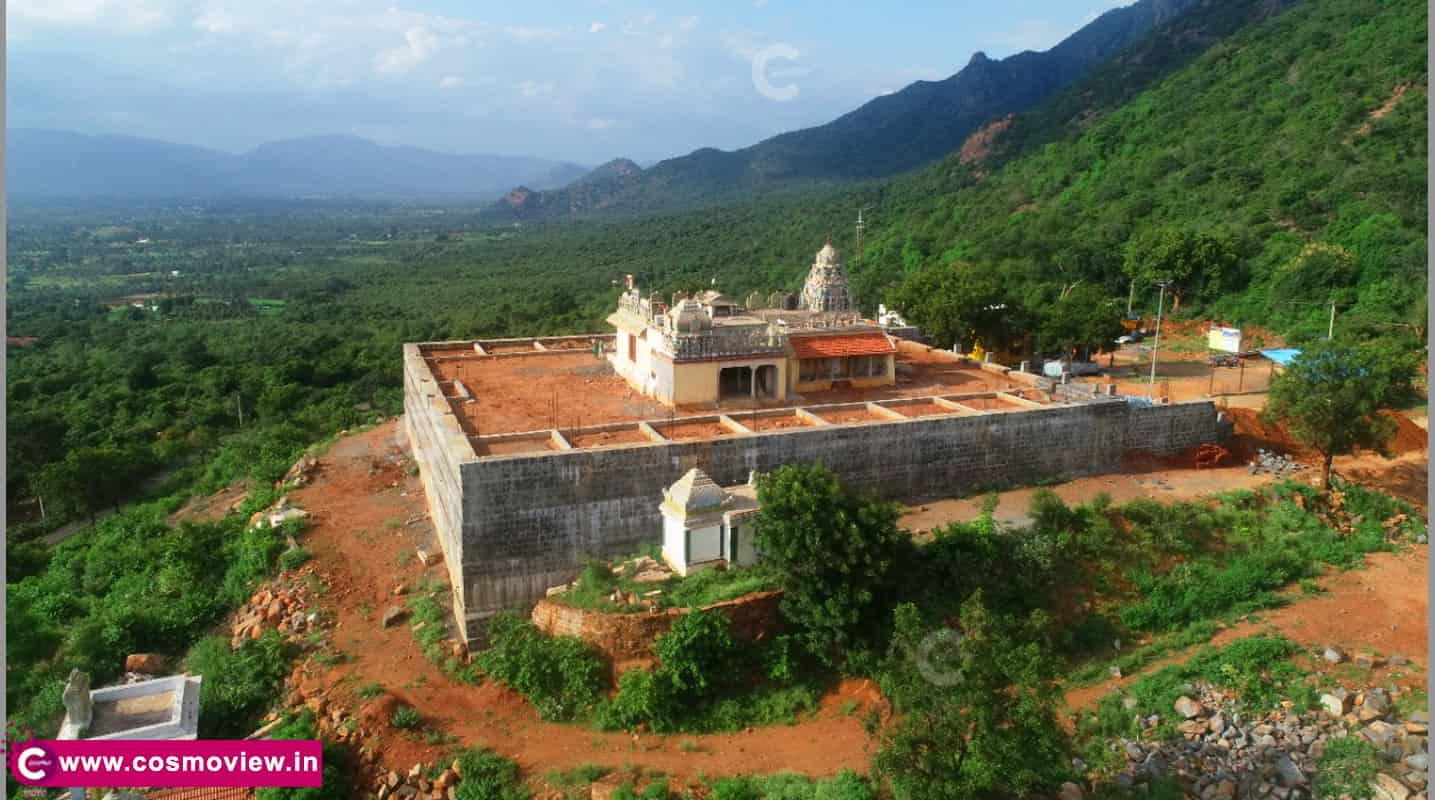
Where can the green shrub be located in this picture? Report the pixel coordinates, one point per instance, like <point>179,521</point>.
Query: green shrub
<point>846,785</point>
<point>405,718</point>
<point>338,765</point>
<point>1257,668</point>
<point>697,655</point>
<point>560,675</point>
<point>294,558</point>
<point>238,684</point>
<point>1346,768</point>
<point>488,776</point>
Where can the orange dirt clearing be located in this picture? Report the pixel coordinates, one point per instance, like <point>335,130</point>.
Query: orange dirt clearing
<point>1380,608</point>
<point>360,506</point>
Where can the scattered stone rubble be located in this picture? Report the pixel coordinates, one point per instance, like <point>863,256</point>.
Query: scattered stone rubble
<point>1222,754</point>
<point>415,785</point>
<point>1277,464</point>
<point>276,515</point>
<point>280,604</point>
<point>643,569</point>
<point>300,474</point>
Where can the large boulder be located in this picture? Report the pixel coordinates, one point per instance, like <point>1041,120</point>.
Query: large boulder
<point>146,663</point>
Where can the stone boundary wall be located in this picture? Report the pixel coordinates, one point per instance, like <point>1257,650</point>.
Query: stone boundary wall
<point>530,520</point>
<point>623,639</point>
<point>440,447</point>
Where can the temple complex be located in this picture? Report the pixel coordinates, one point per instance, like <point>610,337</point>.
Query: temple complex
<point>709,348</point>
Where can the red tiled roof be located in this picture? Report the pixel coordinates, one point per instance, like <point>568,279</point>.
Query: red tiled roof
<point>837,345</point>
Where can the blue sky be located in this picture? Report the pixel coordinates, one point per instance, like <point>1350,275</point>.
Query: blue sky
<point>582,80</point>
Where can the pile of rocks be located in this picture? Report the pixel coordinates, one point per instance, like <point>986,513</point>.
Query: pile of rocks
<point>300,474</point>
<point>280,604</point>
<point>276,515</point>
<point>415,785</point>
<point>1222,754</point>
<point>1277,464</point>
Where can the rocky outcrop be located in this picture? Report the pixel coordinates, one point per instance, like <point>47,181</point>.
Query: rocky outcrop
<point>1224,754</point>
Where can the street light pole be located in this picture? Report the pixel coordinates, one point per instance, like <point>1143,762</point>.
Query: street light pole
<point>1156,345</point>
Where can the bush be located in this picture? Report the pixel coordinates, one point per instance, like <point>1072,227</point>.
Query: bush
<point>698,655</point>
<point>338,765</point>
<point>560,675</point>
<point>238,684</point>
<point>488,776</point>
<point>1346,768</point>
<point>405,718</point>
<point>294,558</point>
<point>1257,668</point>
<point>846,785</point>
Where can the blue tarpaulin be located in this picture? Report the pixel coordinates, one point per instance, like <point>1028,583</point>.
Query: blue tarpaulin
<point>1282,356</point>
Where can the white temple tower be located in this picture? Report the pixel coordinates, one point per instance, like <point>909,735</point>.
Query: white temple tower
<point>826,287</point>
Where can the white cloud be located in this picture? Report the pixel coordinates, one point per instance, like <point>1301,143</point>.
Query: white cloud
<point>124,16</point>
<point>665,41</point>
<point>531,33</point>
<point>597,27</point>
<point>535,88</point>
<point>1031,34</point>
<point>599,124</point>
<point>687,24</point>
<point>419,45</point>
<point>451,82</point>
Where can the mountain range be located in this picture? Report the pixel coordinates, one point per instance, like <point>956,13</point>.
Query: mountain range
<point>895,133</point>
<point>890,134</point>
<point>61,163</point>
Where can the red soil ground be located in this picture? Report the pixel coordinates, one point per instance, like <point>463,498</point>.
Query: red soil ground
<point>359,501</point>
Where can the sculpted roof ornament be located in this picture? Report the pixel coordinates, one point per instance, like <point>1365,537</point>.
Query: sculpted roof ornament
<point>826,287</point>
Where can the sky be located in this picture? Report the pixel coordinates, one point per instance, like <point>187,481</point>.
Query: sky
<point>574,80</point>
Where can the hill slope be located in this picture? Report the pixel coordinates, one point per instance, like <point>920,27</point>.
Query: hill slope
<point>61,163</point>
<point>888,135</point>
<point>1300,142</point>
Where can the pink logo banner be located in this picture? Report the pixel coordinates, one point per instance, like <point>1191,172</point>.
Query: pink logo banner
<point>207,762</point>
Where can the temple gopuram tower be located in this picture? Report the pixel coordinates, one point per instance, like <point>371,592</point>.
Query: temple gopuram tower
<point>826,287</point>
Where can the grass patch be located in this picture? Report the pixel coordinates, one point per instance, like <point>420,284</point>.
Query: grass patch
<point>488,776</point>
<point>405,718</point>
<point>294,558</point>
<point>573,782</point>
<point>428,620</point>
<point>560,675</point>
<point>1257,668</point>
<point>370,690</point>
<point>847,785</point>
<point>1346,769</point>
<point>597,583</point>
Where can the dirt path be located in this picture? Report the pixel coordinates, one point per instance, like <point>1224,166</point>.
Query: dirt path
<point>1381,608</point>
<point>361,503</point>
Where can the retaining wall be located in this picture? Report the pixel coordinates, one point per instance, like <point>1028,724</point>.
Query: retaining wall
<point>530,520</point>
<point>626,640</point>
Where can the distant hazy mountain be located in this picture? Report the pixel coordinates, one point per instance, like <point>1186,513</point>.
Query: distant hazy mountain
<point>891,134</point>
<point>61,163</point>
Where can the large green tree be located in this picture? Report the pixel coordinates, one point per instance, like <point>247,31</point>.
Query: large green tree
<point>956,304</point>
<point>1195,261</point>
<point>1330,397</point>
<point>1083,318</point>
<point>834,552</point>
<point>976,707</point>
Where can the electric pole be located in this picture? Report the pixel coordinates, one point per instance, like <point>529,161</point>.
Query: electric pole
<point>1330,332</point>
<point>1156,345</point>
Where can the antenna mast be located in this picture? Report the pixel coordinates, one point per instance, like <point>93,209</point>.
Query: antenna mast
<point>857,256</point>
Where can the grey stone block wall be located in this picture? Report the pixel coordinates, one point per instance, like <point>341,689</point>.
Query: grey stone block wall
<point>440,447</point>
<point>529,521</point>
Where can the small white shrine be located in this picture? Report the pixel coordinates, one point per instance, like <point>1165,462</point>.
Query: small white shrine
<point>705,525</point>
<point>159,709</point>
